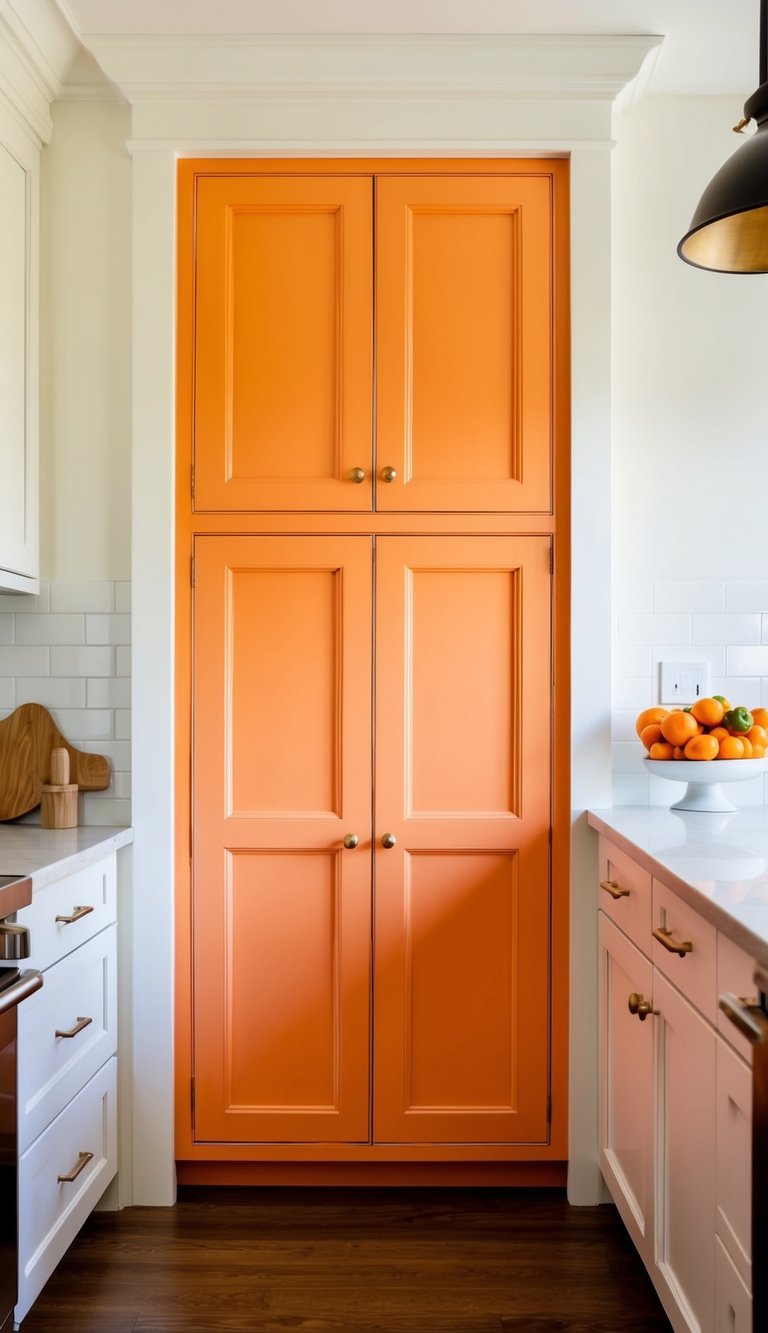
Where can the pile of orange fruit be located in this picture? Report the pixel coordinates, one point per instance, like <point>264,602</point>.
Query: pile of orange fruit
<point>709,729</point>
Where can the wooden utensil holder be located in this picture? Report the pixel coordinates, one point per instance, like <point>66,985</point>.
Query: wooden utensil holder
<point>58,800</point>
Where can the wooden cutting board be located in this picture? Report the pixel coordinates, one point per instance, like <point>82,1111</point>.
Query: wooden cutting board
<point>27,738</point>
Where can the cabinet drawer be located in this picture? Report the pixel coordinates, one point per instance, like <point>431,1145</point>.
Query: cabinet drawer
<point>735,973</point>
<point>52,1069</point>
<point>733,1303</point>
<point>734,1158</point>
<point>51,1212</point>
<point>93,887</point>
<point>626,899</point>
<point>695,971</point>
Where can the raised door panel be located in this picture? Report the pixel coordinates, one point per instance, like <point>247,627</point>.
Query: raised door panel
<point>464,295</point>
<point>283,343</point>
<point>734,1158</point>
<point>686,1160</point>
<point>282,761</point>
<point>461,1014</point>
<point>626,1084</point>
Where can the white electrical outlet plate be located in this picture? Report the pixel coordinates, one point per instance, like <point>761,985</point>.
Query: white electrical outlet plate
<point>683,682</point>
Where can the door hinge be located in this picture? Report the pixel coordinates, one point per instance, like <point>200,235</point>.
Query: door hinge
<point>192,480</point>
<point>192,571</point>
<point>192,1095</point>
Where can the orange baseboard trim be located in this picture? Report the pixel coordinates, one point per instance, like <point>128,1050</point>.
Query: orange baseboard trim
<point>547,1175</point>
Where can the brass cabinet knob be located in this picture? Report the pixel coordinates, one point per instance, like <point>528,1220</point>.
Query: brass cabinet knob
<point>350,840</point>
<point>388,840</point>
<point>389,474</point>
<point>357,475</point>
<point>637,1005</point>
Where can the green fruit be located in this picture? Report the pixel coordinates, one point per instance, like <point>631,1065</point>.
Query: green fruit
<point>721,699</point>
<point>738,720</point>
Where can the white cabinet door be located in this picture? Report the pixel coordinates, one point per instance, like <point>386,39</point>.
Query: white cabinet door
<point>686,1173</point>
<point>19,169</point>
<point>626,1084</point>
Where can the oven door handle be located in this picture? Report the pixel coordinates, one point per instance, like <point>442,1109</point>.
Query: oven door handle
<point>750,1019</point>
<point>26,985</point>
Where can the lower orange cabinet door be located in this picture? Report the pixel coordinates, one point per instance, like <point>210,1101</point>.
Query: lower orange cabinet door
<point>281,774</point>
<point>461,987</point>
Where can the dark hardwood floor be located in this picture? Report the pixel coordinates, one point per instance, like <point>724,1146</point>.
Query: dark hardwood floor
<point>352,1261</point>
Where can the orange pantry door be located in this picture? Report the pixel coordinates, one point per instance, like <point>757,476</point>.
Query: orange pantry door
<point>464,293</point>
<point>461,946</point>
<point>283,342</point>
<point>281,772</point>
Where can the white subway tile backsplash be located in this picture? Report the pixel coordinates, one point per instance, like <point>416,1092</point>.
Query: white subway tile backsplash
<point>82,596</point>
<point>108,629</point>
<point>737,689</point>
<point>24,601</point>
<point>635,692</point>
<point>632,660</point>
<point>104,692</point>
<point>63,650</point>
<point>628,756</point>
<point>653,627</point>
<point>83,724</point>
<point>633,595</point>
<point>630,788</point>
<point>726,629</point>
<point>48,628</point>
<point>51,691</point>
<point>90,661</point>
<point>675,652</point>
<point>104,812</point>
<point>117,752</point>
<point>623,725</point>
<point>24,661</point>
<point>747,661</point>
<point>692,595</point>
<point>746,595</point>
<point>724,624</point>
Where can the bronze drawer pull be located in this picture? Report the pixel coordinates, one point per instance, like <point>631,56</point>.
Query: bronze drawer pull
<point>665,937</point>
<point>615,890</point>
<point>82,1162</point>
<point>79,1025</point>
<point>77,912</point>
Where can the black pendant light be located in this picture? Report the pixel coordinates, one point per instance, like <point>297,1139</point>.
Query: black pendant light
<point>729,230</point>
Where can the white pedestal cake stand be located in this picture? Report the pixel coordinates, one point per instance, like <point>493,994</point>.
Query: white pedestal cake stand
<point>706,779</point>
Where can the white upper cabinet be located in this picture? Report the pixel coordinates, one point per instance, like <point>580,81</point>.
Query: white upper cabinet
<point>19,192</point>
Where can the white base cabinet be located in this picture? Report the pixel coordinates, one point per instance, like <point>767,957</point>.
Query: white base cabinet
<point>67,1069</point>
<point>675,1097</point>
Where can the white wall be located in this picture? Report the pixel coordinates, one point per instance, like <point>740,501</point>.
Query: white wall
<point>690,433</point>
<point>85,463</point>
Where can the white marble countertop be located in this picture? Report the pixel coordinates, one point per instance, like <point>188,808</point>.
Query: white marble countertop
<point>716,862</point>
<point>49,854</point>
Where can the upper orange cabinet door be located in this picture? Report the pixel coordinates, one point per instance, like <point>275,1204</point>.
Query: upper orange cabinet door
<point>283,343</point>
<point>464,291</point>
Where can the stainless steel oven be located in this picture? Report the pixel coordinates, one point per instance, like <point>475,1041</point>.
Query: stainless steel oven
<point>752,1020</point>
<point>15,986</point>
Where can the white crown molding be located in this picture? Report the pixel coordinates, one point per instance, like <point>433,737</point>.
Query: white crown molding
<point>37,49</point>
<point>354,67</point>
